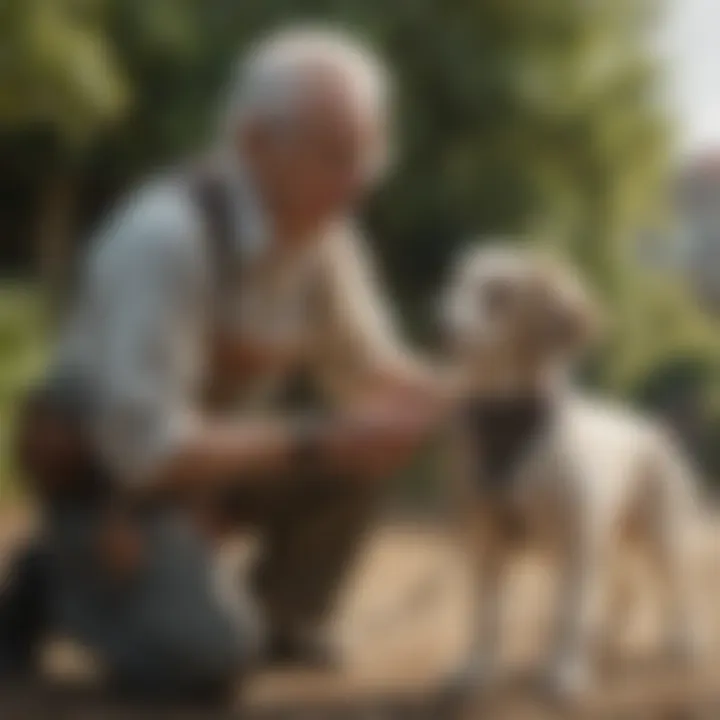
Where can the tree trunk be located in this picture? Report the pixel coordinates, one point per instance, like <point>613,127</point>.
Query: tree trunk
<point>53,242</point>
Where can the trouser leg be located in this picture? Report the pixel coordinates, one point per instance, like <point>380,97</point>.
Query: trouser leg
<point>310,541</point>
<point>162,631</point>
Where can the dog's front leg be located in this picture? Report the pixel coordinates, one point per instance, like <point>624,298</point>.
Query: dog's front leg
<point>485,650</point>
<point>578,609</point>
<point>487,559</point>
<point>481,546</point>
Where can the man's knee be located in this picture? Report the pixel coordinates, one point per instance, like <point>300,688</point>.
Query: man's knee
<point>173,661</point>
<point>210,659</point>
<point>349,493</point>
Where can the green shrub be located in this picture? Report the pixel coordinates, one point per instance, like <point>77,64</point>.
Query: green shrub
<point>22,353</point>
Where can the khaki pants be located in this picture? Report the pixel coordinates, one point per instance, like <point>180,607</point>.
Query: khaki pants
<point>310,536</point>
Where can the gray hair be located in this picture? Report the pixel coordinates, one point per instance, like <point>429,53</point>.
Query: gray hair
<point>271,79</point>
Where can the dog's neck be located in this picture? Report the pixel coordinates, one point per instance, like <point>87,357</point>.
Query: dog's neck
<point>505,415</point>
<point>507,380</point>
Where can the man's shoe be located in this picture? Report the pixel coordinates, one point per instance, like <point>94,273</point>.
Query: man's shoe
<point>23,613</point>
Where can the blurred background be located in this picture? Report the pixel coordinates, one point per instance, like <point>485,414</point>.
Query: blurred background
<point>592,127</point>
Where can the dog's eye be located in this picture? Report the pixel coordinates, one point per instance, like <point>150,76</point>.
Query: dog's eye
<point>495,296</point>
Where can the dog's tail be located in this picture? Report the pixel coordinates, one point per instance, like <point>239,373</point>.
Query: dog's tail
<point>682,521</point>
<point>675,515</point>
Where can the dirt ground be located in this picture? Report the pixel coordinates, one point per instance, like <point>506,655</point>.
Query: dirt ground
<point>402,624</point>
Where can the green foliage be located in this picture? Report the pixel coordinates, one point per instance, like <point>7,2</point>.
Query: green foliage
<point>22,355</point>
<point>516,116</point>
<point>57,69</point>
<point>520,117</point>
<point>665,326</point>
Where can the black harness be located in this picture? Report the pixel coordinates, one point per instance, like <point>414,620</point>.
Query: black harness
<point>501,430</point>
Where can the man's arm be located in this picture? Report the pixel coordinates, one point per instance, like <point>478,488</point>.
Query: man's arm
<point>154,288</point>
<point>151,276</point>
<point>362,362</point>
<point>363,354</point>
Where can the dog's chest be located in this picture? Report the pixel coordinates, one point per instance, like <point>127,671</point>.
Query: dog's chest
<point>501,434</point>
<point>501,437</point>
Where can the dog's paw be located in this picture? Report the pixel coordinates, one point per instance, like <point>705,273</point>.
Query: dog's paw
<point>568,680</point>
<point>475,675</point>
<point>462,687</point>
<point>688,649</point>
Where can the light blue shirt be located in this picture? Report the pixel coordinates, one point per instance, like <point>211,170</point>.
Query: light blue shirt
<point>141,324</point>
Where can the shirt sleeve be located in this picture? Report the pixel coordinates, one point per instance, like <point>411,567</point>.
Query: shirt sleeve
<point>358,337</point>
<point>149,285</point>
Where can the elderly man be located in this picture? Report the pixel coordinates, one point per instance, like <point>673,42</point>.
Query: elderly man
<point>205,289</point>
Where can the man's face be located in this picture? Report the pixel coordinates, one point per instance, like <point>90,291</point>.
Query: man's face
<point>316,168</point>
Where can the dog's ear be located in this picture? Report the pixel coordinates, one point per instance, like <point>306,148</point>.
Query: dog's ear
<point>572,320</point>
<point>449,306</point>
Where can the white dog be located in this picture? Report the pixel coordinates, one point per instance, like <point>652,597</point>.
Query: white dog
<point>540,459</point>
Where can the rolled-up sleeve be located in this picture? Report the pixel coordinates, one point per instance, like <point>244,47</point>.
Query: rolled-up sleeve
<point>149,293</point>
<point>358,337</point>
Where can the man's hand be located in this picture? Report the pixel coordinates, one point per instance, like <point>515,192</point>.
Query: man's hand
<point>371,441</point>
<point>374,442</point>
<point>386,422</point>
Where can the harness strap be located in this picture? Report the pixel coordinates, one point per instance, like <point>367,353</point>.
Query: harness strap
<point>502,430</point>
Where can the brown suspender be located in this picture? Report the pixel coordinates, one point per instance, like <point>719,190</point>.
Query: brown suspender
<point>212,196</point>
<point>53,443</point>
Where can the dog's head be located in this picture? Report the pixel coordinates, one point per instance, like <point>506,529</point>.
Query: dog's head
<point>511,308</point>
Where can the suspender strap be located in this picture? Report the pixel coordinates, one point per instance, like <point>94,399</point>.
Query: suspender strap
<point>212,195</point>
<point>53,441</point>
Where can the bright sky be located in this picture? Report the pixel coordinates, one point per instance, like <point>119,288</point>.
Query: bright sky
<point>690,41</point>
